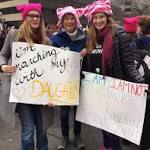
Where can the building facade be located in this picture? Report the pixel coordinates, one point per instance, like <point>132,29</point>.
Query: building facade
<point>9,14</point>
<point>131,7</point>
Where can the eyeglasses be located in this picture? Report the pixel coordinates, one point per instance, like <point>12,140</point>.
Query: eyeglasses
<point>32,16</point>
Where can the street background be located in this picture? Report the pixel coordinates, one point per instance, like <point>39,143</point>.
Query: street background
<point>10,137</point>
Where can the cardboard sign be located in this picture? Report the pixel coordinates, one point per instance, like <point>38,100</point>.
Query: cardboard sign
<point>44,74</point>
<point>114,105</point>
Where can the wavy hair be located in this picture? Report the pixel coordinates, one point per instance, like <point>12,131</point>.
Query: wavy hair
<point>91,34</point>
<point>25,32</point>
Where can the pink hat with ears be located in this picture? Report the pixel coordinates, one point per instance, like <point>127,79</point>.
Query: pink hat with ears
<point>25,8</point>
<point>130,24</point>
<point>78,12</point>
<point>103,6</point>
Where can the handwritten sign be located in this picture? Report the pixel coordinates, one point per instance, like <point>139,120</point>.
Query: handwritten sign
<point>45,74</point>
<point>114,105</point>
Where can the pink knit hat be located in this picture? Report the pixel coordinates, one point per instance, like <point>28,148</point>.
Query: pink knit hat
<point>25,8</point>
<point>78,12</point>
<point>130,24</point>
<point>103,6</point>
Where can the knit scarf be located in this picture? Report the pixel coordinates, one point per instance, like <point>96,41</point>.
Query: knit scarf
<point>73,35</point>
<point>106,36</point>
<point>36,38</point>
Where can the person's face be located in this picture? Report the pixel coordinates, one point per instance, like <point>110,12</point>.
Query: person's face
<point>69,23</point>
<point>99,21</point>
<point>139,30</point>
<point>34,19</point>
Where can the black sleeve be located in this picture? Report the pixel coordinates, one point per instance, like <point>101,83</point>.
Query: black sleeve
<point>127,59</point>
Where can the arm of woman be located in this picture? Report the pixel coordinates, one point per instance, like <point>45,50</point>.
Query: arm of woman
<point>127,59</point>
<point>5,54</point>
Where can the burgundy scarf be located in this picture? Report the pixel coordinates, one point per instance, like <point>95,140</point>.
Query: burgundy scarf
<point>36,39</point>
<point>106,36</point>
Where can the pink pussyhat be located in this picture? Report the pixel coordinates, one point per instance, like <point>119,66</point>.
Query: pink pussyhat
<point>100,6</point>
<point>78,12</point>
<point>26,8</point>
<point>130,24</point>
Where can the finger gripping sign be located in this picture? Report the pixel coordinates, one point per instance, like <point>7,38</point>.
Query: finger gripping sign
<point>44,74</point>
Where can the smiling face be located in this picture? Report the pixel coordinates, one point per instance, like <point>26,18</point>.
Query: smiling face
<point>34,19</point>
<point>99,21</point>
<point>69,22</point>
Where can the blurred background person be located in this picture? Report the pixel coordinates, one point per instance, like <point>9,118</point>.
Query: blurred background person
<point>141,52</point>
<point>51,29</point>
<point>130,25</point>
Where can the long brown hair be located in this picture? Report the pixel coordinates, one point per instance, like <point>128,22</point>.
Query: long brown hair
<point>91,34</point>
<point>26,33</point>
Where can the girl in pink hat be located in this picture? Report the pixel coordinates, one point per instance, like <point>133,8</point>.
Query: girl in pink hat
<point>109,54</point>
<point>69,37</point>
<point>32,117</point>
<point>130,25</point>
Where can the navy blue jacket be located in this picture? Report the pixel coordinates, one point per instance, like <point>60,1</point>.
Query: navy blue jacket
<point>62,39</point>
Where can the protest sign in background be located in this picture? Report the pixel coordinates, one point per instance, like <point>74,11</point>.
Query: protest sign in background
<point>114,105</point>
<point>44,74</point>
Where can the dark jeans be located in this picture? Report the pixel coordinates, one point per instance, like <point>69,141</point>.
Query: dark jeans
<point>31,117</point>
<point>111,141</point>
<point>65,121</point>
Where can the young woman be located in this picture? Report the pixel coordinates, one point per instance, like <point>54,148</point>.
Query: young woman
<point>69,37</point>
<point>32,116</point>
<point>109,54</point>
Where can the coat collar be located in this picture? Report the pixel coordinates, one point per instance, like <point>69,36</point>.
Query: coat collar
<point>80,34</point>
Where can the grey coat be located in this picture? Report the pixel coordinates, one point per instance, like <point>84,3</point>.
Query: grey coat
<point>8,109</point>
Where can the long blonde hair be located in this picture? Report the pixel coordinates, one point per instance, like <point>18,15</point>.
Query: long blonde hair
<point>26,33</point>
<point>91,35</point>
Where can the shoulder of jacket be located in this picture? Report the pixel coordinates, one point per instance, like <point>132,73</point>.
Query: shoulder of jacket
<point>117,29</point>
<point>13,33</point>
<point>56,36</point>
<point>56,39</point>
<point>120,34</point>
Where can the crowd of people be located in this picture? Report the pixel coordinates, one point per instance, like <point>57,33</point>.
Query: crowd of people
<point>3,33</point>
<point>106,48</point>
